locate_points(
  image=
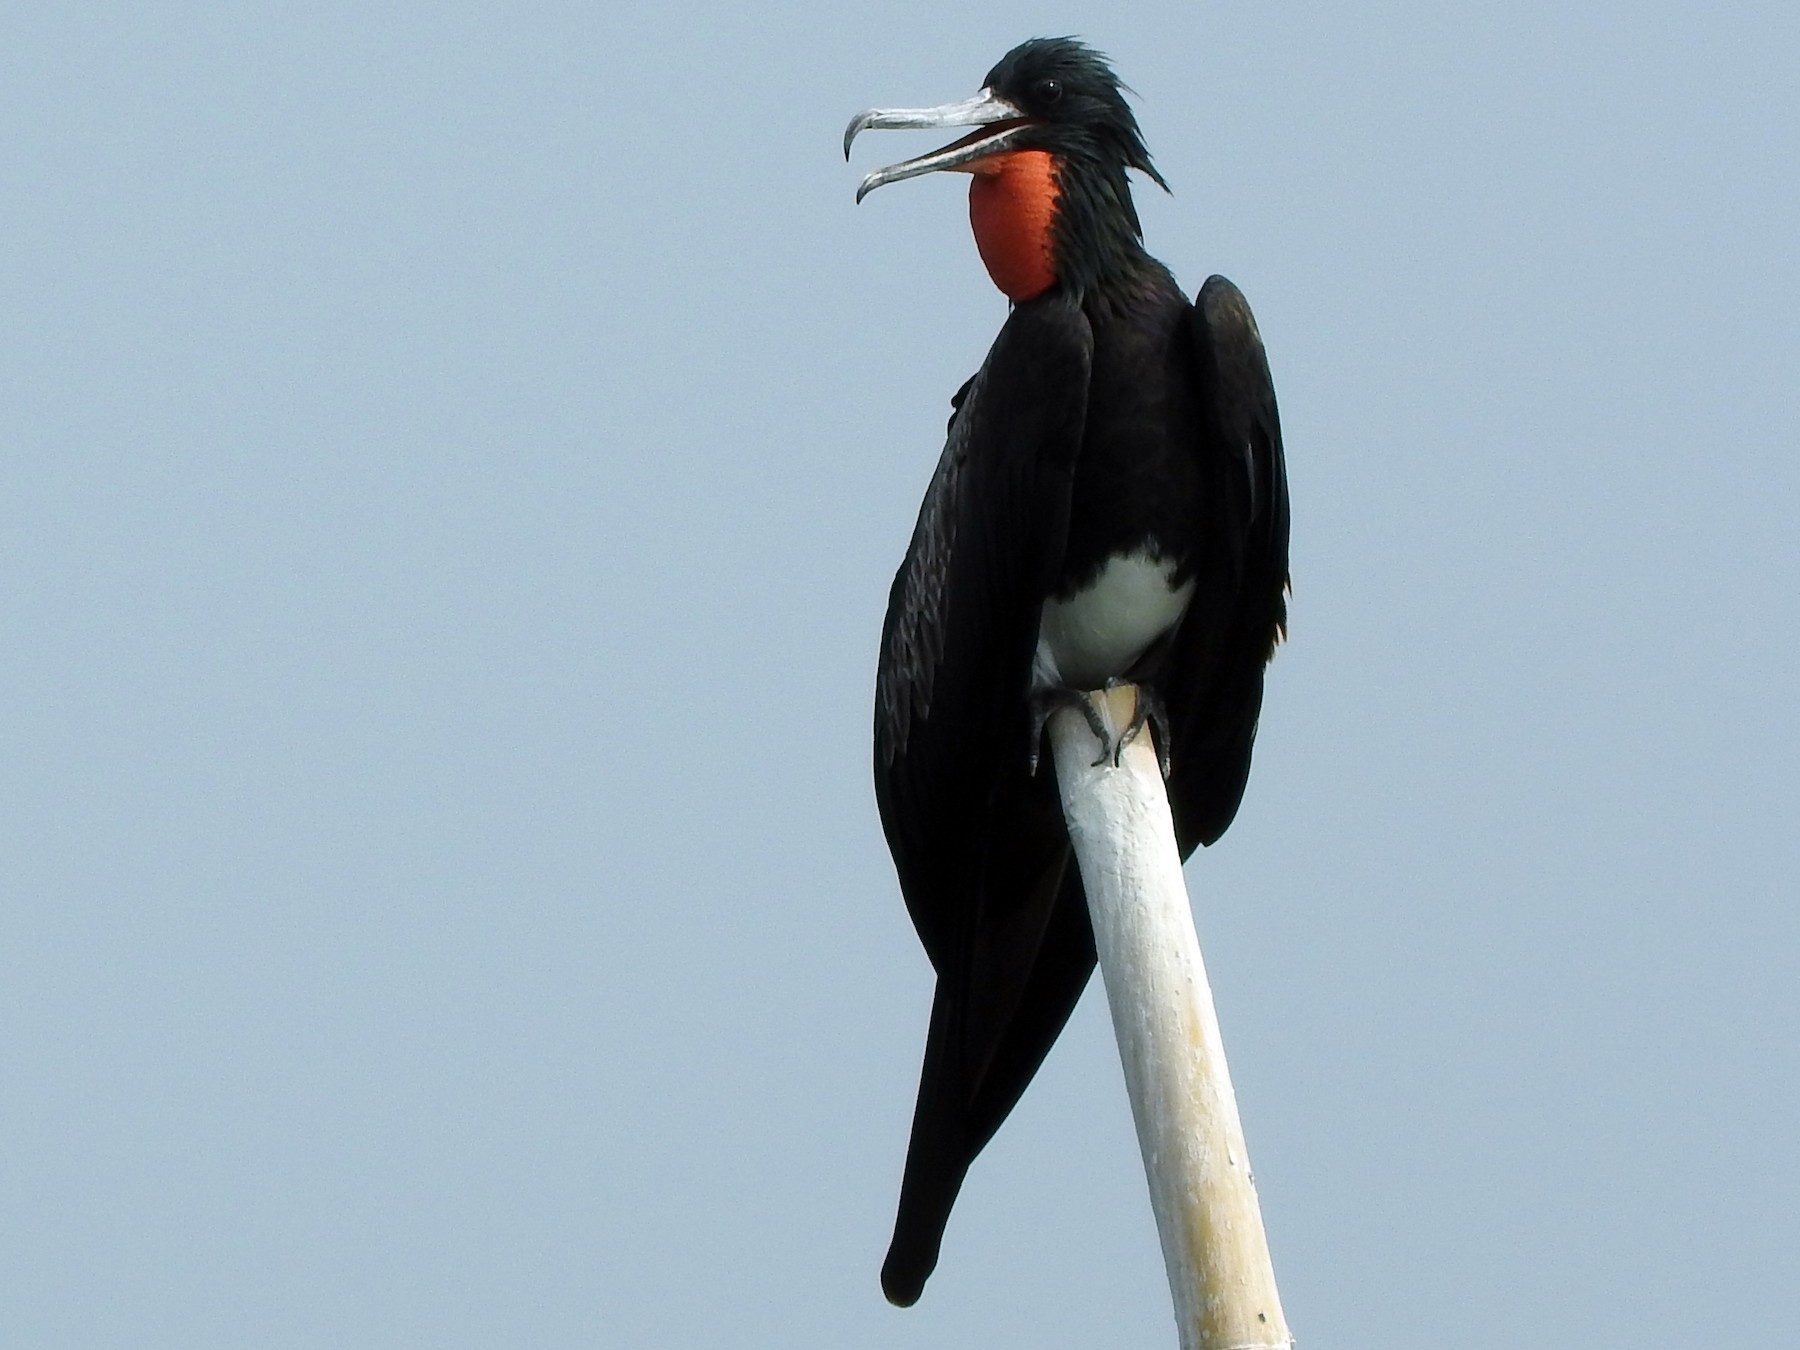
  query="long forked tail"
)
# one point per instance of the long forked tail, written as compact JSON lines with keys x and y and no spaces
{"x":977,"y":1064}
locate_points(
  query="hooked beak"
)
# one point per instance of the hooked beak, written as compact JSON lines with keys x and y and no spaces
{"x":986,"y":109}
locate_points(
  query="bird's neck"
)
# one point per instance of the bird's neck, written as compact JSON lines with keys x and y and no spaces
{"x":1041,"y":220}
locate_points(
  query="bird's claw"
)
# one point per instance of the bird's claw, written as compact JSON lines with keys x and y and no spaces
{"x":1149,"y":712}
{"x":1045,"y":702}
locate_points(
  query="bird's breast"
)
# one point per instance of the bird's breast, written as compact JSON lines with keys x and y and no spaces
{"x":1098,"y":633}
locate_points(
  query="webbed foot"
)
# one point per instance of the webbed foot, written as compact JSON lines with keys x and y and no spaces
{"x":1150,"y":712}
{"x":1044,"y":702}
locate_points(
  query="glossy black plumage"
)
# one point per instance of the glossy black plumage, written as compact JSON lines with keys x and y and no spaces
{"x":1111,"y":418}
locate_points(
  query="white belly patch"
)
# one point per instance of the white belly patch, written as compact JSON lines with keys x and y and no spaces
{"x":1097,"y":633}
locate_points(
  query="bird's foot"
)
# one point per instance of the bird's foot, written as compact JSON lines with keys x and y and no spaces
{"x":1044,"y":702}
{"x":1150,"y":712}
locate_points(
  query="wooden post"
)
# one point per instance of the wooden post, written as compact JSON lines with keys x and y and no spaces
{"x":1162,"y":1010}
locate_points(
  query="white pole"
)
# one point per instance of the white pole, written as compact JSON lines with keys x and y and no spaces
{"x":1162,"y":1010}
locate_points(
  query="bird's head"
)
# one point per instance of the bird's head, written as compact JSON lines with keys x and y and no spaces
{"x":1052,"y":141}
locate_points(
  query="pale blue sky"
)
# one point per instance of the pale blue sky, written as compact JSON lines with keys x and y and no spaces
{"x":452,"y":458}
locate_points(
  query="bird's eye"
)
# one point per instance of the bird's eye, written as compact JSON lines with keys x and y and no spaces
{"x":1048,"y":91}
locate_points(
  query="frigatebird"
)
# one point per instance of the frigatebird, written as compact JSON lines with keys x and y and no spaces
{"x":1110,"y":506}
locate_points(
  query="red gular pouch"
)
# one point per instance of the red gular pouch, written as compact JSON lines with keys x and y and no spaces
{"x":1012,"y":205}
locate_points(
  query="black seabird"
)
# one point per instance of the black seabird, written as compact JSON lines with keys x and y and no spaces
{"x":1111,"y":505}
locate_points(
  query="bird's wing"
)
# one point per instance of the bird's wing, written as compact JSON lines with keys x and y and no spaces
{"x":979,"y":845}
{"x":1239,"y":609}
{"x":962,"y":617}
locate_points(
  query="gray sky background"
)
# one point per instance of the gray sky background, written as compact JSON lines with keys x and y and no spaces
{"x":452,"y":458}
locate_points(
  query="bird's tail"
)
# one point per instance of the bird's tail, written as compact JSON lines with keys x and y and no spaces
{"x":978,"y":1060}
{"x":937,"y":1160}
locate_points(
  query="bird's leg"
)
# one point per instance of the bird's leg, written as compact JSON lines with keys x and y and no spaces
{"x":1150,"y":711}
{"x":1043,"y":702}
